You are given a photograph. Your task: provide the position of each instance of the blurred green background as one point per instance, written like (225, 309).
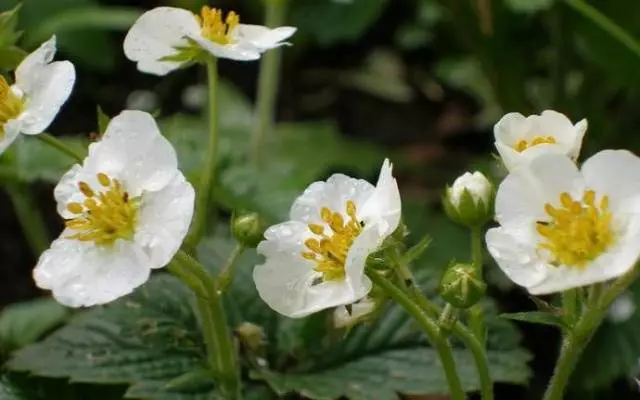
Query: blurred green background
(419, 81)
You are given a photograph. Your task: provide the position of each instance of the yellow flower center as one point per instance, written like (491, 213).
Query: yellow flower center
(523, 144)
(579, 231)
(11, 106)
(214, 27)
(329, 251)
(105, 215)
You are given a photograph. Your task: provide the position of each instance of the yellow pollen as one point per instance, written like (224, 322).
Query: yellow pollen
(105, 215)
(523, 145)
(11, 106)
(578, 231)
(329, 251)
(214, 27)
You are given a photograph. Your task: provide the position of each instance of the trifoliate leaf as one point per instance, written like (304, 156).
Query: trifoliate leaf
(24, 323)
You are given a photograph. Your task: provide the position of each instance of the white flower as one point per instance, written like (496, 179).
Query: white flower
(520, 139)
(476, 184)
(622, 308)
(316, 260)
(166, 38)
(561, 227)
(357, 312)
(41, 87)
(127, 209)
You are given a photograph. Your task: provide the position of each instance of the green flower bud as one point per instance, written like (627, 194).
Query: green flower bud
(469, 201)
(248, 228)
(460, 286)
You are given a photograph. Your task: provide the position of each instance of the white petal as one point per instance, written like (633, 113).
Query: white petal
(615, 173)
(552, 123)
(580, 129)
(384, 203)
(334, 194)
(164, 220)
(261, 37)
(11, 133)
(156, 34)
(518, 260)
(236, 52)
(29, 70)
(45, 95)
(614, 262)
(366, 243)
(509, 156)
(66, 191)
(343, 318)
(82, 275)
(524, 192)
(513, 159)
(134, 150)
(511, 128)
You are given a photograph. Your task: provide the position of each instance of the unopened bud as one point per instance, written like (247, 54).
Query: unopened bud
(470, 200)
(460, 286)
(251, 336)
(248, 228)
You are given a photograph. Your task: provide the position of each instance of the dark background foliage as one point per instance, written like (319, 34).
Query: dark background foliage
(419, 81)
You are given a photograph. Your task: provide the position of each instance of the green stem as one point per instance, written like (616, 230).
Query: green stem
(226, 276)
(268, 80)
(209, 171)
(575, 341)
(476, 313)
(430, 329)
(29, 216)
(606, 24)
(176, 269)
(58, 145)
(220, 346)
(477, 349)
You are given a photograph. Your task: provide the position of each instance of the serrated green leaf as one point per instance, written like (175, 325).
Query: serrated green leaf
(537, 317)
(151, 335)
(383, 376)
(24, 323)
(329, 22)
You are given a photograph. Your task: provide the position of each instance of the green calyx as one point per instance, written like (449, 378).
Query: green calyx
(461, 286)
(470, 212)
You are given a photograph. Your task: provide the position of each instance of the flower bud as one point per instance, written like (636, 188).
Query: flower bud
(248, 228)
(460, 286)
(470, 200)
(251, 336)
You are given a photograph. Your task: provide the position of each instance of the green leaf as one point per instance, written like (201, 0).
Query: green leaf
(614, 350)
(37, 161)
(537, 317)
(150, 336)
(331, 22)
(24, 323)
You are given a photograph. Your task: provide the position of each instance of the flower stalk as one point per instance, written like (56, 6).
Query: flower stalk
(575, 340)
(209, 171)
(268, 80)
(430, 329)
(476, 314)
(60, 146)
(221, 350)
